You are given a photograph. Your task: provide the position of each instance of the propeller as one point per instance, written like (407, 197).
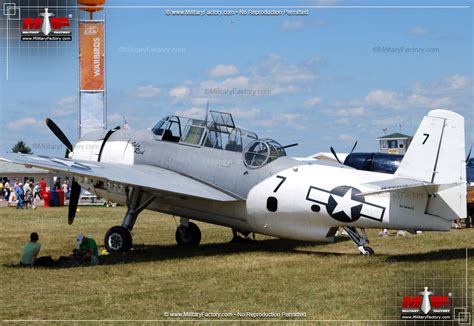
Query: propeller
(353, 147)
(58, 133)
(75, 187)
(335, 155)
(73, 201)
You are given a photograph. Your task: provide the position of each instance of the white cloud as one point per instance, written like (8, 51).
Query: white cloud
(312, 102)
(458, 81)
(66, 106)
(115, 118)
(179, 92)
(267, 123)
(349, 112)
(445, 86)
(228, 84)
(199, 101)
(447, 93)
(193, 112)
(26, 122)
(418, 100)
(290, 116)
(346, 138)
(382, 98)
(287, 119)
(244, 113)
(223, 70)
(291, 25)
(146, 91)
(419, 31)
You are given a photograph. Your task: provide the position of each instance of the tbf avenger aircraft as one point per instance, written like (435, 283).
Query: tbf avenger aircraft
(212, 171)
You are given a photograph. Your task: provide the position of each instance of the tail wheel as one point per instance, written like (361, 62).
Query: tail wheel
(369, 251)
(188, 236)
(118, 239)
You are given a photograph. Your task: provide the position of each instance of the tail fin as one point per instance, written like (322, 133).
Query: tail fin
(437, 155)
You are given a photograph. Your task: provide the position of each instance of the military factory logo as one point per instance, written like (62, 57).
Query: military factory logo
(427, 306)
(343, 204)
(45, 28)
(91, 30)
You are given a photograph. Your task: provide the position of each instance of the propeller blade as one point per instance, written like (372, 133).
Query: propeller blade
(58, 133)
(468, 155)
(355, 144)
(73, 201)
(335, 155)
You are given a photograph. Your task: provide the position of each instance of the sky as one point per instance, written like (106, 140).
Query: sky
(344, 72)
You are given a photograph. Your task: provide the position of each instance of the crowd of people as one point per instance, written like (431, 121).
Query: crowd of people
(24, 195)
(86, 253)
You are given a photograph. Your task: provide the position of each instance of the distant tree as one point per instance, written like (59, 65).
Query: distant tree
(21, 147)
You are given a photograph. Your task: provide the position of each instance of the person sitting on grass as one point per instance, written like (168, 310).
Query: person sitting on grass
(88, 249)
(30, 251)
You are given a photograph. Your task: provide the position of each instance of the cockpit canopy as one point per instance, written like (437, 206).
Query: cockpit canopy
(219, 132)
(262, 151)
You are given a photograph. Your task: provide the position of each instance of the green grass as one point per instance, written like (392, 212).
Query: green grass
(326, 281)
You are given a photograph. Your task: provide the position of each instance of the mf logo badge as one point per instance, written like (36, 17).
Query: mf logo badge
(45, 28)
(426, 306)
(91, 30)
(343, 204)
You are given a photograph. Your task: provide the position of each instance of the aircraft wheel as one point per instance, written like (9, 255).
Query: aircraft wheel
(118, 239)
(188, 236)
(369, 251)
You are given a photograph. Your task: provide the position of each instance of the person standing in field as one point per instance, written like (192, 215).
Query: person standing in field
(7, 191)
(30, 251)
(28, 193)
(42, 185)
(36, 193)
(65, 189)
(20, 196)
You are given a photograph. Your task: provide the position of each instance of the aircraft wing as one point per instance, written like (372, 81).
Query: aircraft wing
(147, 177)
(327, 156)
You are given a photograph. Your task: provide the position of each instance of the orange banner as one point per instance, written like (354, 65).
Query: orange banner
(91, 44)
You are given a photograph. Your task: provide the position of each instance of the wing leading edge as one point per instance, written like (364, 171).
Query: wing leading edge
(144, 176)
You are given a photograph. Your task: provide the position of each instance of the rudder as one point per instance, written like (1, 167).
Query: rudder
(437, 155)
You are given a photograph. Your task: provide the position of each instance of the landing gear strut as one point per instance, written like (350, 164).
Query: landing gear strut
(188, 234)
(119, 238)
(360, 240)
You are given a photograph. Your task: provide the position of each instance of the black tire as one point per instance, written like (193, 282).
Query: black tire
(118, 239)
(369, 251)
(188, 237)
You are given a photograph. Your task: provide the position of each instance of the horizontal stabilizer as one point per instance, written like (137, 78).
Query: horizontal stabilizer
(402, 184)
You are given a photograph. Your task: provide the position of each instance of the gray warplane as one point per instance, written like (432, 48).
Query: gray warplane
(209, 170)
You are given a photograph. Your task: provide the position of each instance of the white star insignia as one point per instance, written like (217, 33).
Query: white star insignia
(345, 203)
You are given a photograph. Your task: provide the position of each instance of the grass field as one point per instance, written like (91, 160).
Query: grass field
(325, 281)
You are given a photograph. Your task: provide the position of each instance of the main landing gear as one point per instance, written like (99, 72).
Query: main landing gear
(119, 238)
(187, 233)
(360, 240)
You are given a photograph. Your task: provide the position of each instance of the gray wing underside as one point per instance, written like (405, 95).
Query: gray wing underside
(148, 177)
